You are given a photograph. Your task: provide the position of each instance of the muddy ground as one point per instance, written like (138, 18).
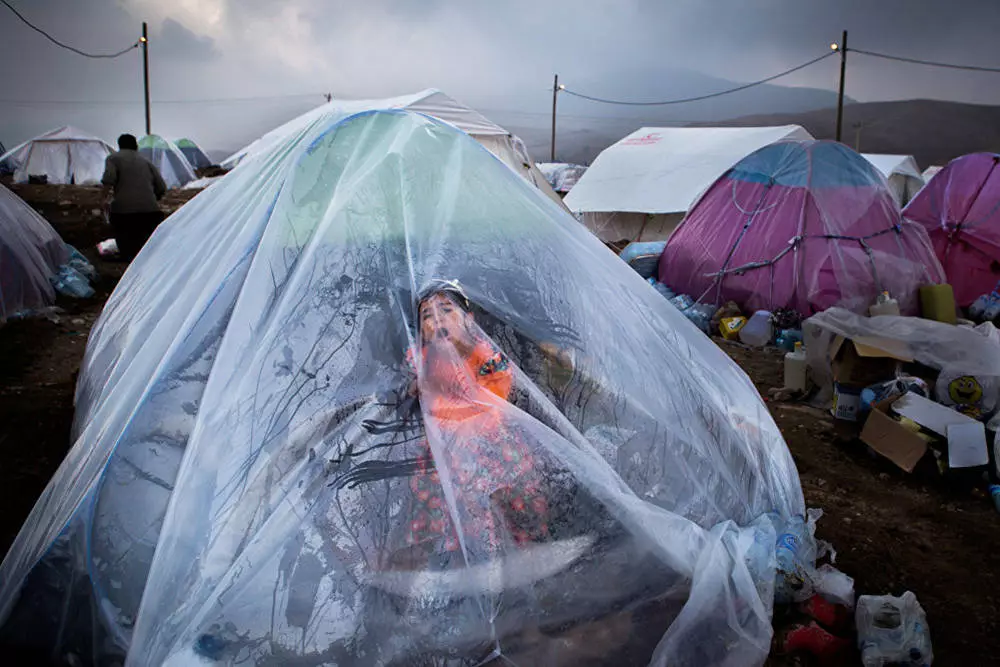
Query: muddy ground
(893, 531)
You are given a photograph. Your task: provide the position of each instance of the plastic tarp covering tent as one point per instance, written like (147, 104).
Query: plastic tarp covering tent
(31, 252)
(173, 166)
(64, 155)
(639, 188)
(960, 209)
(506, 146)
(901, 172)
(560, 175)
(294, 446)
(193, 153)
(805, 225)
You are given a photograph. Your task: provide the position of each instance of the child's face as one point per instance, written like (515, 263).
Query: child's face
(441, 319)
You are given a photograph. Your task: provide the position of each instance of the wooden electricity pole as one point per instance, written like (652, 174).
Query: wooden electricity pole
(843, 77)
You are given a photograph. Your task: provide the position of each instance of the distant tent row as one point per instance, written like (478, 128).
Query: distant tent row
(68, 155)
(63, 156)
(166, 157)
(902, 174)
(504, 145)
(560, 175)
(31, 252)
(640, 188)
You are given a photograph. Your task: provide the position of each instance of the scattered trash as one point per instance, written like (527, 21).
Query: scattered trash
(758, 330)
(834, 586)
(893, 631)
(643, 257)
(795, 369)
(891, 389)
(987, 307)
(71, 282)
(107, 248)
(814, 640)
(730, 309)
(78, 262)
(937, 302)
(796, 553)
(884, 305)
(730, 327)
(787, 338)
(995, 495)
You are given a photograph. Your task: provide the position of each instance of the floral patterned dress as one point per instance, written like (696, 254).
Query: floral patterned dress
(493, 476)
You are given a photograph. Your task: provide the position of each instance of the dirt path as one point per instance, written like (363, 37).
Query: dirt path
(893, 531)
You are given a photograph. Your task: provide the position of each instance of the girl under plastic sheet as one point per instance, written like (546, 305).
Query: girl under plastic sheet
(270, 366)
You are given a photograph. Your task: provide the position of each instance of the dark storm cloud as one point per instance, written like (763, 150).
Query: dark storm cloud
(176, 41)
(495, 55)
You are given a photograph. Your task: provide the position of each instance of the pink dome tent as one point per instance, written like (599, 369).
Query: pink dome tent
(804, 225)
(960, 209)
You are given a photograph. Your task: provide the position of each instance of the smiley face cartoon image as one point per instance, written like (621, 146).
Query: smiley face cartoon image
(965, 390)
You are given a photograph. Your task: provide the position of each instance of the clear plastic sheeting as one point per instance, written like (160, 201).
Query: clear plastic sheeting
(959, 350)
(63, 156)
(802, 225)
(372, 399)
(31, 253)
(171, 163)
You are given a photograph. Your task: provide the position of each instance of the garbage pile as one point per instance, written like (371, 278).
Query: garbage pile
(924, 393)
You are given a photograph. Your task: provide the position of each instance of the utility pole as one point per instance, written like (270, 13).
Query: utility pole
(555, 94)
(329, 97)
(857, 137)
(843, 77)
(145, 70)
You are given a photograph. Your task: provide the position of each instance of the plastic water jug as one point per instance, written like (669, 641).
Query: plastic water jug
(758, 331)
(795, 369)
(884, 305)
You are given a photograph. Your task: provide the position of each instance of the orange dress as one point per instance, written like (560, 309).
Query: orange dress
(493, 475)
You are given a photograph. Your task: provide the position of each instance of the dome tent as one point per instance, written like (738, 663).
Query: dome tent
(960, 209)
(193, 153)
(804, 225)
(63, 156)
(173, 166)
(244, 409)
(31, 253)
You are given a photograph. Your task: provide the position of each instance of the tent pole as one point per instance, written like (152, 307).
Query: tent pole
(145, 71)
(843, 76)
(555, 94)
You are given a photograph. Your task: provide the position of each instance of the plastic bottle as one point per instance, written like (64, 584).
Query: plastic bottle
(787, 338)
(758, 331)
(893, 631)
(796, 555)
(795, 369)
(977, 311)
(884, 305)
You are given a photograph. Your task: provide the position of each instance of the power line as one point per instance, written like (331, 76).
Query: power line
(221, 100)
(931, 63)
(702, 97)
(66, 46)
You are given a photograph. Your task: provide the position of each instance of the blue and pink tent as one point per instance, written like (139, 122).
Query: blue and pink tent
(804, 225)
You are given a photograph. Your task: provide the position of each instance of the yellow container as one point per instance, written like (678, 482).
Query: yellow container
(730, 327)
(937, 302)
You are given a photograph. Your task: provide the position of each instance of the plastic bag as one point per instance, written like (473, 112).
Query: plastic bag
(893, 631)
(71, 282)
(80, 263)
(283, 461)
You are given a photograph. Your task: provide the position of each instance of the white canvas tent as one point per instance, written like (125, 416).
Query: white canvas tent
(506, 146)
(63, 155)
(930, 172)
(641, 187)
(902, 173)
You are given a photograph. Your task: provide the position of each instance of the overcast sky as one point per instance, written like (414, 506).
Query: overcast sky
(497, 56)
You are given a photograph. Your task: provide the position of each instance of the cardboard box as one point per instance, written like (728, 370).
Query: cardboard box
(846, 402)
(860, 363)
(891, 439)
(966, 436)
